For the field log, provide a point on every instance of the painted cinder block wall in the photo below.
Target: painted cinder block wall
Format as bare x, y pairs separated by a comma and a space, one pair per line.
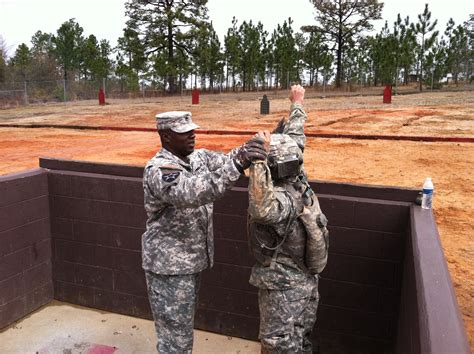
97, 221
96, 227
25, 245
78, 225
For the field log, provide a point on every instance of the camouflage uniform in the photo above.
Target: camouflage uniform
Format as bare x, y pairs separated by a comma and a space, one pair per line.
178, 242
294, 125
288, 292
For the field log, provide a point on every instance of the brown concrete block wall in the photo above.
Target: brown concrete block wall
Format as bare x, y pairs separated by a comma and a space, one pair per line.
359, 288
408, 339
228, 303
382, 274
96, 226
25, 245
96, 232
429, 320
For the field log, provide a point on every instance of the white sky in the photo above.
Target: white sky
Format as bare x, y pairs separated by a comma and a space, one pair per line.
20, 19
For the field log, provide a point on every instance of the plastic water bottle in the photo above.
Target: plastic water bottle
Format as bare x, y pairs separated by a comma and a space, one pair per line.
427, 199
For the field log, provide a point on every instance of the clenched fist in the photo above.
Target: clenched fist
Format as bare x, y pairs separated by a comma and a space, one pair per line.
297, 94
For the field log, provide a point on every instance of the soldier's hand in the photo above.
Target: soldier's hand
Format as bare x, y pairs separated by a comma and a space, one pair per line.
252, 150
297, 94
266, 137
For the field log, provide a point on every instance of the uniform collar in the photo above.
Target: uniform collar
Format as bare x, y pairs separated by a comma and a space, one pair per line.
169, 155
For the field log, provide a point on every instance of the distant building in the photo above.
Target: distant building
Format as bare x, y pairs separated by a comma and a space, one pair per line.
447, 79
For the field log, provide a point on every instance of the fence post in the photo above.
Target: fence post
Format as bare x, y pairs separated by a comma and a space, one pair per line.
26, 95
432, 79
396, 81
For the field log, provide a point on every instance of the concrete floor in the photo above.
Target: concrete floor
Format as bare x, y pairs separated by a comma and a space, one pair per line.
69, 329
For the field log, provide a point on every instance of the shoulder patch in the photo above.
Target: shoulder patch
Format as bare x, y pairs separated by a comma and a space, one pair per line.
170, 176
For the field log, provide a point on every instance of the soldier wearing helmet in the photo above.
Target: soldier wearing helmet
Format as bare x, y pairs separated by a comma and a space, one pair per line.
288, 237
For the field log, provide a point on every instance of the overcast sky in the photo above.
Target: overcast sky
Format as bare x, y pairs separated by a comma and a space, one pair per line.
20, 19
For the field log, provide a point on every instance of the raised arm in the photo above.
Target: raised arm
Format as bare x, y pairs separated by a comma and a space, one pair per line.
173, 186
293, 125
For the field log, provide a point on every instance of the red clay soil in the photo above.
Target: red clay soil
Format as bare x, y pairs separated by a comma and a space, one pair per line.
379, 162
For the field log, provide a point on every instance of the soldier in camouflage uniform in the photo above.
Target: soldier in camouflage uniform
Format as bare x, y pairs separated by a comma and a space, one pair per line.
293, 125
180, 185
288, 237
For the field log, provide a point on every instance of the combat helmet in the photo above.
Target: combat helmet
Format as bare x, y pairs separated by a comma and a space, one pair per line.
285, 157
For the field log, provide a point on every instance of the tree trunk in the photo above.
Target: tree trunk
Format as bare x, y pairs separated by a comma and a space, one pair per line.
65, 83
339, 55
227, 77
171, 78
421, 62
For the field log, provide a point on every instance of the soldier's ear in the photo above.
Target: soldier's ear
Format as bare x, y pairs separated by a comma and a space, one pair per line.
164, 136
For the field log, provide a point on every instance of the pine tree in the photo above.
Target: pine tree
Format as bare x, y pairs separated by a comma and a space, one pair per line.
469, 28
251, 53
286, 54
457, 48
89, 57
405, 48
131, 58
422, 30
216, 62
3, 59
385, 56
67, 46
232, 53
342, 21
167, 25
436, 64
44, 64
316, 52
21, 61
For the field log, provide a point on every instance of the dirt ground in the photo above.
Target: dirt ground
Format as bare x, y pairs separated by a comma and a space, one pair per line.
379, 162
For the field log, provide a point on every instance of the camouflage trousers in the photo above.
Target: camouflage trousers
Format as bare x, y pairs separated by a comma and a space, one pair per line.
173, 300
287, 317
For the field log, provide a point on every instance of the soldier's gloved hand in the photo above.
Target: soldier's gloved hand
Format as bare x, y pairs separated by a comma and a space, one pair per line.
252, 150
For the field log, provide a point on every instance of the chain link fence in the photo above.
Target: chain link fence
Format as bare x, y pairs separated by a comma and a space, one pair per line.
33, 92
13, 94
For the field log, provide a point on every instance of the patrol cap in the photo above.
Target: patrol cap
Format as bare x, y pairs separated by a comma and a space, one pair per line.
177, 121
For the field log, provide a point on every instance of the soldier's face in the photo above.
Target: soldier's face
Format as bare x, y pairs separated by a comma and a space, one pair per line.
181, 144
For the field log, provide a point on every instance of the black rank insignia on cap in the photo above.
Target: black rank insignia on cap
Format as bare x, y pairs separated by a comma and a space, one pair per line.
170, 177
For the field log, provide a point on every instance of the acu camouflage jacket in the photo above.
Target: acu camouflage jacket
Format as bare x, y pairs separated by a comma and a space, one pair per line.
178, 201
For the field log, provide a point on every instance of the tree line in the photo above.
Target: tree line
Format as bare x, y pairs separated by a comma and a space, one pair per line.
171, 44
